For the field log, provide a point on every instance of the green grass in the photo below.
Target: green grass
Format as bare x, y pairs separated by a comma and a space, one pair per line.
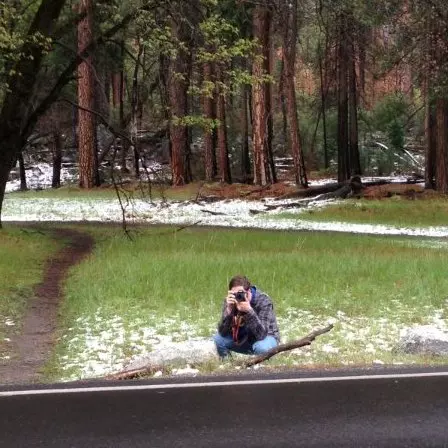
23, 253
395, 211
165, 280
162, 271
134, 191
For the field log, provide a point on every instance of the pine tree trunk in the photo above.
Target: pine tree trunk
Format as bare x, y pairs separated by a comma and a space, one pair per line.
86, 122
355, 163
135, 95
261, 28
342, 139
57, 160
269, 110
224, 167
323, 105
209, 140
23, 185
442, 145
245, 157
289, 58
430, 136
178, 102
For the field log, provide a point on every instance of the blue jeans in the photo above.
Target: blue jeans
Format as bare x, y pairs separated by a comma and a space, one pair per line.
225, 344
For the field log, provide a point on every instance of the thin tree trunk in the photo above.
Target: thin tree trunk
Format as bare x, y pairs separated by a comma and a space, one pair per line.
355, 163
442, 145
209, 139
134, 110
224, 167
289, 57
343, 145
22, 172
245, 156
86, 122
177, 92
269, 108
283, 102
57, 160
431, 145
323, 96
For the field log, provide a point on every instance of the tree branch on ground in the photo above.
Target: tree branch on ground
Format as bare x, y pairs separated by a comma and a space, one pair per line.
307, 340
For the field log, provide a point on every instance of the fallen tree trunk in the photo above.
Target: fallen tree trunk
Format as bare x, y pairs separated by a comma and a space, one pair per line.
307, 340
339, 188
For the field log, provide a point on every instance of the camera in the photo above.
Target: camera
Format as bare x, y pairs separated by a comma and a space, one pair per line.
240, 296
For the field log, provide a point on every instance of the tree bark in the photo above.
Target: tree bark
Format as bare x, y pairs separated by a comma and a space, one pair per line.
342, 139
23, 186
178, 102
245, 156
355, 163
57, 160
442, 145
289, 58
261, 28
224, 167
86, 120
209, 114
323, 97
133, 132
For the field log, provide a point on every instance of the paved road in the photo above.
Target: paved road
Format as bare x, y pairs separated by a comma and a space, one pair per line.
381, 410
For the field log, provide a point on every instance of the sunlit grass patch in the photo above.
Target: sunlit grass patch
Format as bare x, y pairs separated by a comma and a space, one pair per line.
394, 211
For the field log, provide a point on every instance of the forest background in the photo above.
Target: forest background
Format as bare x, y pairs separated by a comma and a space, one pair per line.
224, 90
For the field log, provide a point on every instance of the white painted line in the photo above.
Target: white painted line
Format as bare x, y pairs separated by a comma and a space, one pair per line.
14, 393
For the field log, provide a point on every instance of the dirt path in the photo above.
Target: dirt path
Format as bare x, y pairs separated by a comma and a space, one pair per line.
32, 348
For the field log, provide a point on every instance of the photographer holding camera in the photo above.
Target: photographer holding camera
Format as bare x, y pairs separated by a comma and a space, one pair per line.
248, 324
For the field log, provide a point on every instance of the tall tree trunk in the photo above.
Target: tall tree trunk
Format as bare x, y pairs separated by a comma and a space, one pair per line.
261, 29
343, 143
269, 108
133, 132
22, 172
282, 98
289, 58
178, 102
362, 48
323, 105
57, 160
223, 151
245, 156
121, 84
431, 145
442, 145
86, 121
355, 163
209, 114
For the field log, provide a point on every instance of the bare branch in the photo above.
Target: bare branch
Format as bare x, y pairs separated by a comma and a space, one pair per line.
307, 340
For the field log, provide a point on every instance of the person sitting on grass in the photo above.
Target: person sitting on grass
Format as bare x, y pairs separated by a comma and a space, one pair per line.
248, 324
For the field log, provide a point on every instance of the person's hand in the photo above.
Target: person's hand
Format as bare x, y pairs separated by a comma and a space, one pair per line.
231, 302
244, 307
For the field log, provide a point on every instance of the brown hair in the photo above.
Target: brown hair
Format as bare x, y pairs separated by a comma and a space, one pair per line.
239, 280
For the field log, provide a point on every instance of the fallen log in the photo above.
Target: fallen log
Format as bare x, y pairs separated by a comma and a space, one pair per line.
338, 188
307, 340
133, 374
